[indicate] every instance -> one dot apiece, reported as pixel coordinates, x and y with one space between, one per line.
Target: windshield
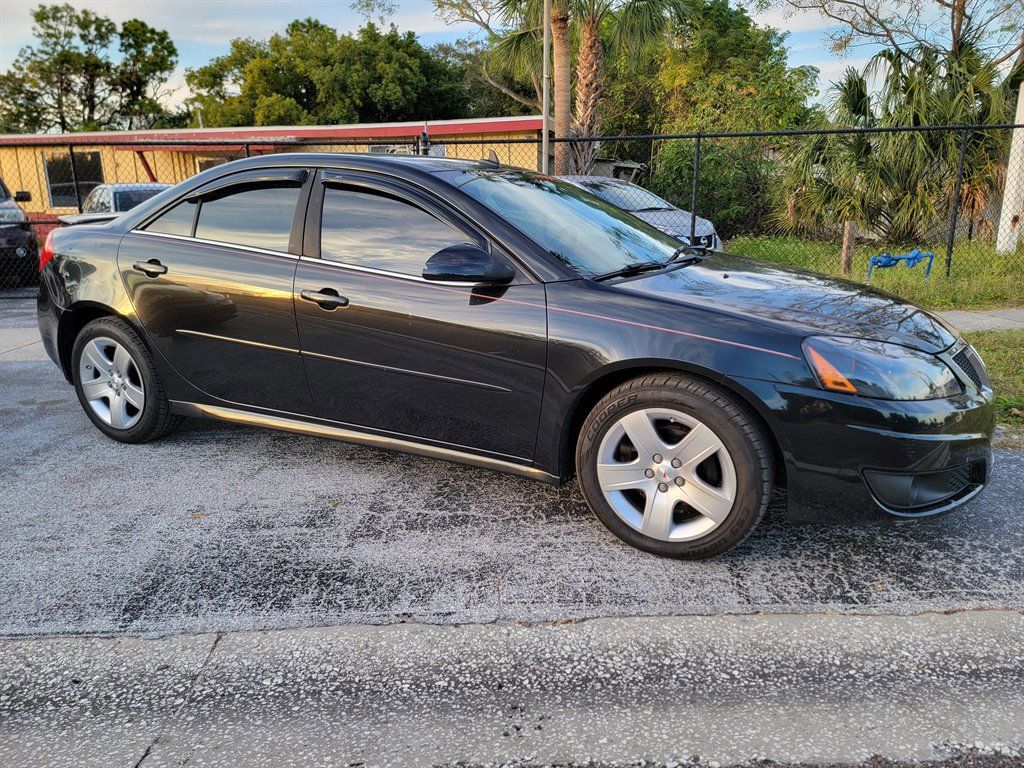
573 225
125 201
628 197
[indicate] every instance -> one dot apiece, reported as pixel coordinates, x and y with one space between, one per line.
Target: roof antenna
492 158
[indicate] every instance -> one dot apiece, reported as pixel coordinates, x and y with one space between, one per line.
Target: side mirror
22 196
465 263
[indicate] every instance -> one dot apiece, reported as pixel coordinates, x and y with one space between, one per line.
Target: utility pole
1013 195
545 149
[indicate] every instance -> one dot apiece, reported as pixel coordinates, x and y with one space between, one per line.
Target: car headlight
12 215
876 369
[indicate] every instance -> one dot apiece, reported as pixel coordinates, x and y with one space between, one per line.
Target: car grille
958 478
967 360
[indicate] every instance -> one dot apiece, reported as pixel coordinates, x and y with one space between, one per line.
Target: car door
453 364
211 280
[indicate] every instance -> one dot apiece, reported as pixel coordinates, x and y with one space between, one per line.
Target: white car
648 206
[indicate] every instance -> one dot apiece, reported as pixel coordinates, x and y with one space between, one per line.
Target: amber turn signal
828 375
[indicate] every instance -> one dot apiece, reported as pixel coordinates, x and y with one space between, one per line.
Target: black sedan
508 320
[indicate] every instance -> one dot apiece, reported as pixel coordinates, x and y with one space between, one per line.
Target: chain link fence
840 202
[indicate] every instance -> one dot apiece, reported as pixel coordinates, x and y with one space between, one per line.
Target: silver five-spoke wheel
111 382
666 474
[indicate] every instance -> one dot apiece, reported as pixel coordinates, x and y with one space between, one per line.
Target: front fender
599 337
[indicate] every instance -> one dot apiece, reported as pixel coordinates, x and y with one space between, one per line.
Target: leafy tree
68 81
148 56
468 57
310 74
725 73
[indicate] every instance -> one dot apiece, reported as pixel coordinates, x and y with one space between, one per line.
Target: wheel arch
73 320
612 376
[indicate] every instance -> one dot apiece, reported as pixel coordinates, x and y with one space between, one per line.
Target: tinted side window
375 230
260 217
177 221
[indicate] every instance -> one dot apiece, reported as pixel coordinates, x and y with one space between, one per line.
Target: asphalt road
233 596
230 528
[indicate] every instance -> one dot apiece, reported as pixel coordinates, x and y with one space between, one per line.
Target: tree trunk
849 240
561 82
589 86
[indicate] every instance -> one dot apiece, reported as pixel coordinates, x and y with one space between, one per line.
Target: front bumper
18 249
857 460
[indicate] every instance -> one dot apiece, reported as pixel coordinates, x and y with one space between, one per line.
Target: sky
201 29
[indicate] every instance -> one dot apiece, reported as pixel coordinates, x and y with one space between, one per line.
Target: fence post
693 193
954 219
246 150
74 177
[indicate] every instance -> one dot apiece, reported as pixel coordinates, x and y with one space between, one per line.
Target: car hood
805 301
675 222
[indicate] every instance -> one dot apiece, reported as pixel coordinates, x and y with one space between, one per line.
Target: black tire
155 419
738 431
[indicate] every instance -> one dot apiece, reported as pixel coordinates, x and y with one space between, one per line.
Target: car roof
413 164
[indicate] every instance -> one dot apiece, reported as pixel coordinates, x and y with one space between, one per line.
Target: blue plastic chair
912 259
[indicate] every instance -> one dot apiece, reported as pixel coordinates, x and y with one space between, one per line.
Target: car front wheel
674 466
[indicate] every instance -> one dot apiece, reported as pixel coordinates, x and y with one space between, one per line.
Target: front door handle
325 298
151 267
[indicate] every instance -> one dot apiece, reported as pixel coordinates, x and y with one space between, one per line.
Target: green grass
979 278
1003 353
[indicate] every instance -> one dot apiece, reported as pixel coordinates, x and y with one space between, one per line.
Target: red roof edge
376 131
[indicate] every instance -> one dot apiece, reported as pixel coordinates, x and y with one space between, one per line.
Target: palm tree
519 52
635 24
900 186
630 24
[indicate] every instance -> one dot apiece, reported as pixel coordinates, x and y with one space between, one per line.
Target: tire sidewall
752 491
125 335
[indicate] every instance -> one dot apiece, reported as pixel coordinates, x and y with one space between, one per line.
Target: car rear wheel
674 466
117 383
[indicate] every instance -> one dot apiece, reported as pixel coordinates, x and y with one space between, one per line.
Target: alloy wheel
111 382
666 474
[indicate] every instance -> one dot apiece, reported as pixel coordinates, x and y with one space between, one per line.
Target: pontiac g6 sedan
511 321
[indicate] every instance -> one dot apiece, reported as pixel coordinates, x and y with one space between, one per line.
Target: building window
205 163
61 182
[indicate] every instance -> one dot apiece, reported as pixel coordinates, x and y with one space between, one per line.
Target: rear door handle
151 267
326 298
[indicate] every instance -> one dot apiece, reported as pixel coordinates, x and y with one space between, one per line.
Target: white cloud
830 70
791 19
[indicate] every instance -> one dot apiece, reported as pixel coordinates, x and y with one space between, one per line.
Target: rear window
128 199
259 217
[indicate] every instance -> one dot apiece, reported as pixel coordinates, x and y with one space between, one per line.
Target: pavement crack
149 749
185 696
